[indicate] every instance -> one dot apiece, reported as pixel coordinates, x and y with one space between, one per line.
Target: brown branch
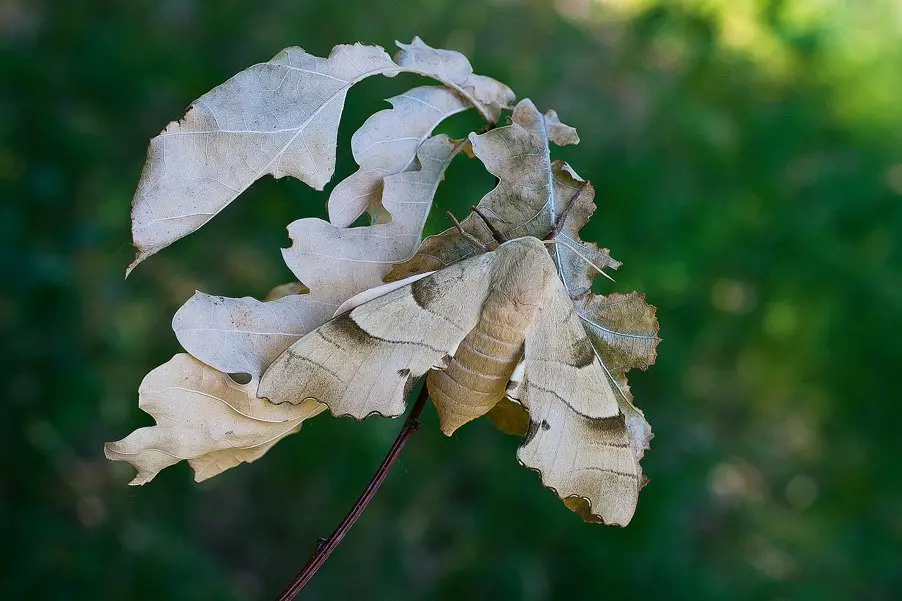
467 235
499 237
324 547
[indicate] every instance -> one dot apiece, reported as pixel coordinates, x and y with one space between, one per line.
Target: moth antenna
467 235
580 255
499 237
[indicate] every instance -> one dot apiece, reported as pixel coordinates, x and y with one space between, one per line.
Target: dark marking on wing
545 425
316 378
613 429
531 433
552 393
581 353
345 328
607 470
425 292
403 372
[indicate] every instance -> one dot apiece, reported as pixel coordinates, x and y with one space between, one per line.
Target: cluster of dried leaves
498 310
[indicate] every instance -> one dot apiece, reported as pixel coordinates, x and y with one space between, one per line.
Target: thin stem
324 547
499 237
467 236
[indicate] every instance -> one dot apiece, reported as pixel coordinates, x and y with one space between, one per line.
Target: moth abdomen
476 378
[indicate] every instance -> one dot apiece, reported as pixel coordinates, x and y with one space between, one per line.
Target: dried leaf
203 416
489 92
577 262
531 194
452 68
244 335
337 263
623 329
280 118
386 144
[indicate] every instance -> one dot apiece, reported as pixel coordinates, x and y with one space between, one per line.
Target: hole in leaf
241 378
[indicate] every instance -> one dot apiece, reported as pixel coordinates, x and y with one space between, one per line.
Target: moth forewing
361 362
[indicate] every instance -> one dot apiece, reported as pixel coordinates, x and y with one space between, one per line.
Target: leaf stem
324 547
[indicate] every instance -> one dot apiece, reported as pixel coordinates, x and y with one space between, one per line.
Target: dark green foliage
756 203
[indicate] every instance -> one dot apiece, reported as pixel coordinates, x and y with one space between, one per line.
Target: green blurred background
748 161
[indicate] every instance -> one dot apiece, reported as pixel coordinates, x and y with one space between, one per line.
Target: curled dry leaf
337 263
531 194
205 417
454 70
280 118
244 335
537 197
387 144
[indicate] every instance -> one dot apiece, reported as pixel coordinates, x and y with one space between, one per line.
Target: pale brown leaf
280 118
337 263
386 144
244 335
203 416
452 68
531 194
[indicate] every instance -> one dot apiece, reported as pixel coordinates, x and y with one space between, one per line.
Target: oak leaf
244 335
280 118
206 418
532 193
540 198
387 144
336 263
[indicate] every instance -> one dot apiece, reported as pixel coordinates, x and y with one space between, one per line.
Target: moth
468 326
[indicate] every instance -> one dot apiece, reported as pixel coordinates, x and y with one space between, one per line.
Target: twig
467 236
324 547
497 235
